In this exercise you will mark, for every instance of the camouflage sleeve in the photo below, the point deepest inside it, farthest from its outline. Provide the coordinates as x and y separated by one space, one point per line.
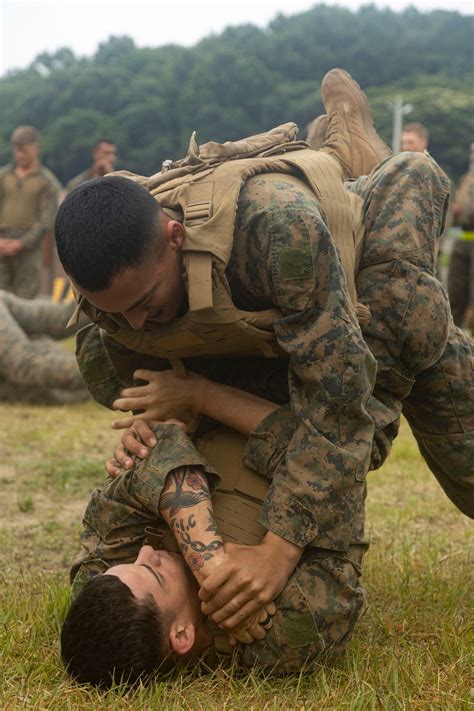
48 205
331 370
116 516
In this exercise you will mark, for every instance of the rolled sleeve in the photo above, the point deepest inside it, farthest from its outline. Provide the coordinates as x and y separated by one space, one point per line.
117 515
266 446
174 449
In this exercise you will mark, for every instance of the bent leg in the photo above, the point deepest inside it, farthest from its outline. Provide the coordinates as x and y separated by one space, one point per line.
405 200
440 411
405 204
40 317
34 362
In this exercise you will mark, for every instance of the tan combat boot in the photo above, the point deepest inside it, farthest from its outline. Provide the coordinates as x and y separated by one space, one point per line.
351 136
317 132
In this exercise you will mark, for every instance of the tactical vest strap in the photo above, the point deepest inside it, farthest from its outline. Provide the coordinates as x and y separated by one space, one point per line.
199 207
199 272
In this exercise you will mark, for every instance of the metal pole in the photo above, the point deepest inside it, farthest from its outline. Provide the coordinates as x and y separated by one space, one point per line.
399 110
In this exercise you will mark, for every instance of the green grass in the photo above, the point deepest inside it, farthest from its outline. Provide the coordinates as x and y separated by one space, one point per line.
412 650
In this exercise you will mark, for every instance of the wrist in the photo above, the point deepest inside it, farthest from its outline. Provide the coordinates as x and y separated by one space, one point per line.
202 394
286 550
209 566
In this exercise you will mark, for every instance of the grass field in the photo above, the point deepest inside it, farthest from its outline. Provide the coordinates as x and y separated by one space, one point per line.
414 648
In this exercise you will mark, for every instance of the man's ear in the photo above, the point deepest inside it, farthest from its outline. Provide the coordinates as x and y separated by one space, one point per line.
182 637
174 234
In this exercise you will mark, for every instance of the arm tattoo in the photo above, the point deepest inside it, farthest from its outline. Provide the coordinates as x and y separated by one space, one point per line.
212 523
179 499
195 551
196 532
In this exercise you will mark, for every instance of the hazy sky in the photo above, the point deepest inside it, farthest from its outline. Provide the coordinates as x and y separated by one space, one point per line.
29 27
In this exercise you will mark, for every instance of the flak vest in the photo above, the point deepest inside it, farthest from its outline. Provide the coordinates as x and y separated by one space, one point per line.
203 190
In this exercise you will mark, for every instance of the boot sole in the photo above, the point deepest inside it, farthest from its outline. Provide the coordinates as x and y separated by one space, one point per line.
362 106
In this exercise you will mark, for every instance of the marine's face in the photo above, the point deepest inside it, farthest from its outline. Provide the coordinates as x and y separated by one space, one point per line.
152 291
26 155
104 157
163 575
412 142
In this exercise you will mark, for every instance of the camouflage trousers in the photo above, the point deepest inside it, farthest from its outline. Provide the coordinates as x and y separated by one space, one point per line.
21 273
425 364
32 367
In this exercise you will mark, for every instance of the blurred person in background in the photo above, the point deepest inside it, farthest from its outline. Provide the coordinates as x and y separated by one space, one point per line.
33 368
28 202
104 155
415 137
461 267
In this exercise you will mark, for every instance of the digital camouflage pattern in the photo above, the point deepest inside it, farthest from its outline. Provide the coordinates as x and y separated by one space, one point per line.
32 366
410 332
27 211
314 449
316 612
425 364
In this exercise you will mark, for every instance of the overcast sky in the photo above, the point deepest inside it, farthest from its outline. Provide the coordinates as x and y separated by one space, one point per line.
29 27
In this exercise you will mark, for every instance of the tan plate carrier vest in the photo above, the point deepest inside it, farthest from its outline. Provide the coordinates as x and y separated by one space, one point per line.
203 190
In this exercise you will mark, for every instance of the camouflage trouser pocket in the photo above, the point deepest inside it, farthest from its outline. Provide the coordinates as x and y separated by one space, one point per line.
316 614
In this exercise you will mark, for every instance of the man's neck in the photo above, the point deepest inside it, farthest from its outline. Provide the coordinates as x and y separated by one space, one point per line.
23 172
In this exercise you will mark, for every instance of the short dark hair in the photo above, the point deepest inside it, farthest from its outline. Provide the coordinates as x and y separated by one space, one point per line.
102 140
110 636
418 128
24 136
105 226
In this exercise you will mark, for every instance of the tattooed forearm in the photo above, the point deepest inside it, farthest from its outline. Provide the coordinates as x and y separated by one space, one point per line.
189 545
212 523
176 494
195 531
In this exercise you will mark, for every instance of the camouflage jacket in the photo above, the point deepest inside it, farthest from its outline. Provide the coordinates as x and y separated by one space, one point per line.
283 255
79 179
28 207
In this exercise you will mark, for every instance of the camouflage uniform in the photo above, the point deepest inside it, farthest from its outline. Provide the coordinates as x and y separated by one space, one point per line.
79 179
283 254
317 610
27 210
425 364
315 450
32 366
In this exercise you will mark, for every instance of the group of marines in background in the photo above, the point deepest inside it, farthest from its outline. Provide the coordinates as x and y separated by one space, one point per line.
32 366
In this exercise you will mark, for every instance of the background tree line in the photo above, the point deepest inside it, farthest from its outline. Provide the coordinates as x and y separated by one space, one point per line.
244 81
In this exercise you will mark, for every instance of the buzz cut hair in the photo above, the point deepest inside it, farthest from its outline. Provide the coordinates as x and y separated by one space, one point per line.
418 128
